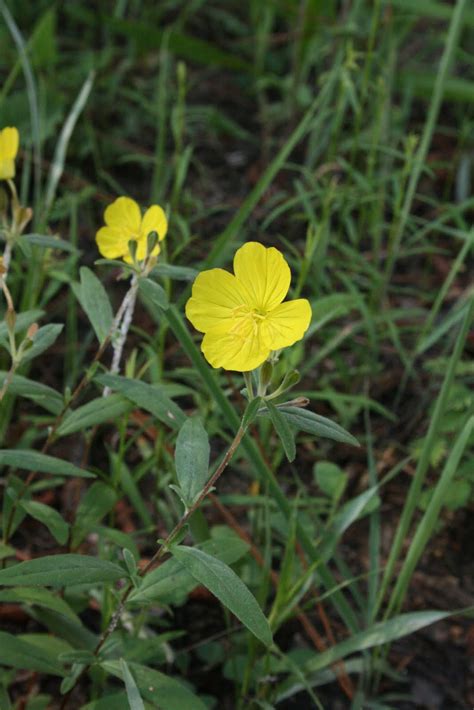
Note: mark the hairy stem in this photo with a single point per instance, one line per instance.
(122, 330)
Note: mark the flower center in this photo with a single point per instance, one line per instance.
(247, 321)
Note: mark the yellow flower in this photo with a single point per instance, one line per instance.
(124, 223)
(243, 316)
(9, 141)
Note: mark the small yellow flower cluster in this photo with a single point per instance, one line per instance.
(9, 142)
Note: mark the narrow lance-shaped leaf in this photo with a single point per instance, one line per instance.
(47, 241)
(36, 461)
(97, 502)
(153, 293)
(61, 571)
(95, 302)
(192, 459)
(18, 653)
(222, 581)
(317, 425)
(39, 393)
(133, 694)
(50, 517)
(283, 430)
(251, 411)
(95, 412)
(43, 339)
(152, 398)
(376, 635)
(163, 582)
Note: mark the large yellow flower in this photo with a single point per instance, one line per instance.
(124, 223)
(243, 316)
(9, 142)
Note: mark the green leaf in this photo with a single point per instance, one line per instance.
(222, 581)
(98, 411)
(60, 571)
(376, 635)
(50, 517)
(251, 411)
(94, 300)
(171, 579)
(192, 459)
(152, 398)
(96, 503)
(154, 293)
(46, 241)
(39, 393)
(317, 425)
(428, 522)
(17, 653)
(43, 339)
(35, 461)
(345, 517)
(165, 692)
(38, 597)
(330, 479)
(133, 694)
(283, 430)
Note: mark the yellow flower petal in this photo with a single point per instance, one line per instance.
(215, 296)
(234, 353)
(124, 214)
(9, 142)
(112, 242)
(7, 169)
(154, 220)
(264, 273)
(286, 324)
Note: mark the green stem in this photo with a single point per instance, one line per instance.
(163, 549)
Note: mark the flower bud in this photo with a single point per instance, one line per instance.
(10, 319)
(266, 372)
(32, 330)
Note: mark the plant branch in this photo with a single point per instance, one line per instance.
(163, 549)
(82, 384)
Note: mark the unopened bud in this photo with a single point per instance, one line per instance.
(299, 402)
(23, 215)
(151, 242)
(10, 319)
(290, 380)
(266, 372)
(32, 330)
(132, 245)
